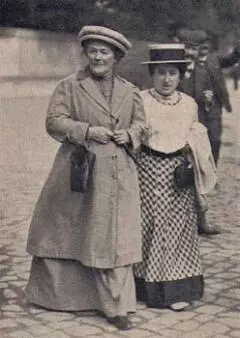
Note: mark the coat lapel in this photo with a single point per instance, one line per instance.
(120, 90)
(93, 91)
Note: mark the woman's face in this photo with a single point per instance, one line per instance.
(101, 58)
(166, 78)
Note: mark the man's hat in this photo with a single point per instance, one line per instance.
(104, 34)
(167, 53)
(192, 37)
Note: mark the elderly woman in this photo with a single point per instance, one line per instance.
(170, 274)
(84, 244)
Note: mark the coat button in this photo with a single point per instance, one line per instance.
(114, 157)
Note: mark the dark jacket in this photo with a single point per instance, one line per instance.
(213, 66)
(209, 78)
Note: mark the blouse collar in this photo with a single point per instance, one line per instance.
(170, 100)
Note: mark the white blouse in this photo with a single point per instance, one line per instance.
(168, 125)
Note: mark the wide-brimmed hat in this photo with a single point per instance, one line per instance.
(104, 34)
(193, 37)
(167, 53)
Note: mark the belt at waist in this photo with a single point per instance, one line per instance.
(152, 152)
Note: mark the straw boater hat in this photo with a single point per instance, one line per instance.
(167, 53)
(104, 34)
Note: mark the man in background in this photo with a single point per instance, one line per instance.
(204, 81)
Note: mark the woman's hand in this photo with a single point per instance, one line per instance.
(99, 134)
(121, 137)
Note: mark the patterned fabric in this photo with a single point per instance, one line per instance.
(169, 229)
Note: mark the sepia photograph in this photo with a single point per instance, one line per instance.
(119, 168)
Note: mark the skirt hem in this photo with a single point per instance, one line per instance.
(163, 294)
(64, 308)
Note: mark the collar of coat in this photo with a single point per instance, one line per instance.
(120, 90)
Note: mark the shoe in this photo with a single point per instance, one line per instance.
(179, 306)
(206, 230)
(122, 323)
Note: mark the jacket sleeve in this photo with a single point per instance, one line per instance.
(218, 82)
(138, 125)
(229, 60)
(59, 122)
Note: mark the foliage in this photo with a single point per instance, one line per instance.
(140, 18)
(217, 16)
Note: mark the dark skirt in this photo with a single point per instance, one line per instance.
(163, 294)
(171, 269)
(67, 285)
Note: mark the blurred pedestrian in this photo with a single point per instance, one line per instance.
(175, 164)
(236, 75)
(84, 244)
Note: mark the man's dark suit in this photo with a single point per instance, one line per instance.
(209, 76)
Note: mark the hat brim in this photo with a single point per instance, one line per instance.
(167, 61)
(190, 43)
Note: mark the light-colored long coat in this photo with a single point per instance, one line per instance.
(101, 228)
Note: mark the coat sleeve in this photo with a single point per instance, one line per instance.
(138, 125)
(59, 122)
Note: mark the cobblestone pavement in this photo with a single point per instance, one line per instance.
(26, 156)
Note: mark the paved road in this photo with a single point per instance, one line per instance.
(26, 157)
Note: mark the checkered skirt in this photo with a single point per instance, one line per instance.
(169, 223)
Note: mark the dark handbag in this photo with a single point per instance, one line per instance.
(82, 162)
(183, 173)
